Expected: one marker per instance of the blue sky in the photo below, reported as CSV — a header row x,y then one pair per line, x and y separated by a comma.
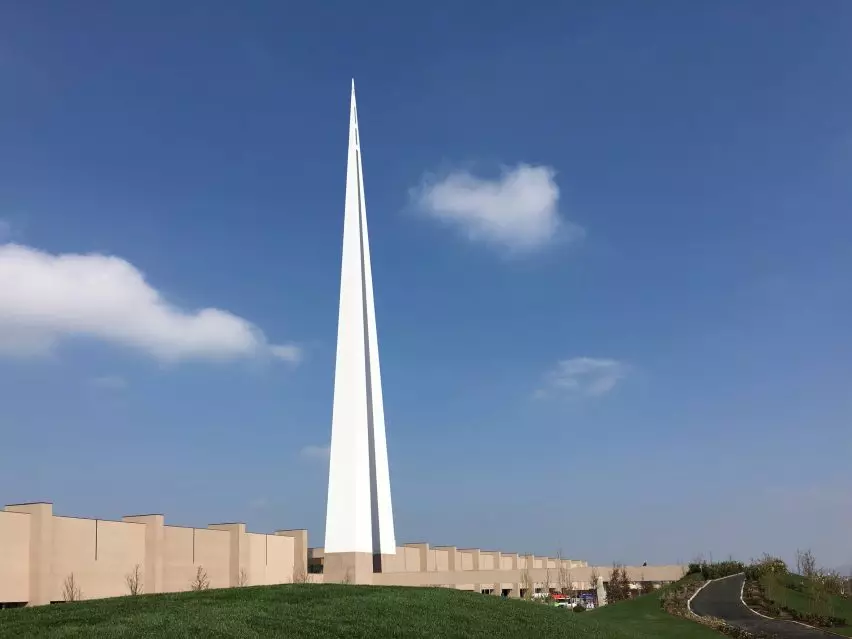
x,y
610,247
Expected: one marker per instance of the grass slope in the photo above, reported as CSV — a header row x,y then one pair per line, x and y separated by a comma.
x,y
334,611
644,617
792,591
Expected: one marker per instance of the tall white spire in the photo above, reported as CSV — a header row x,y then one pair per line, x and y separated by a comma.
x,y
359,516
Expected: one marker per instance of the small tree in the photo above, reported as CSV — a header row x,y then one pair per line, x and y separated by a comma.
x,y
645,587
618,588
133,579
526,584
546,585
613,587
200,581
625,582
71,589
300,576
593,579
242,578
805,563
563,575
832,582
569,586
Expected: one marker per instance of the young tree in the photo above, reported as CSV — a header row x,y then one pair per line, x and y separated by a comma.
x,y
618,588
200,581
133,579
563,575
546,586
805,563
300,576
526,584
71,589
624,580
593,579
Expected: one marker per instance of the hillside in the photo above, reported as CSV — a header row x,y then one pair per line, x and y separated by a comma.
x,y
332,611
796,597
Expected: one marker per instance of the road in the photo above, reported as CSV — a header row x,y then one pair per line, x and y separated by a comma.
x,y
722,599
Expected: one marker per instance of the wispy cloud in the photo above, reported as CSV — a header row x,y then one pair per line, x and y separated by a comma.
x,y
45,298
110,382
516,212
583,376
287,352
259,503
316,452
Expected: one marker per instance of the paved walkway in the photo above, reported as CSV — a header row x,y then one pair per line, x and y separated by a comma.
x,y
722,599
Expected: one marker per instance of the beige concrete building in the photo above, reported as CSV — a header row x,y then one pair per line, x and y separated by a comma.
x,y
41,551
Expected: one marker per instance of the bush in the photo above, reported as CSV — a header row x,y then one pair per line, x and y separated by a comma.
x,y
579,608
721,569
766,565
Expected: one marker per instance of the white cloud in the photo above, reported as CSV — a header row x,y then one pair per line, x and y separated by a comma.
x,y
517,212
45,298
111,382
583,376
287,352
316,452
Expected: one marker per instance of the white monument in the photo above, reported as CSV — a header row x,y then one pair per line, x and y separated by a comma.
x,y
359,516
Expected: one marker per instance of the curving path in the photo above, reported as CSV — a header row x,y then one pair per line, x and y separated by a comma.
x,y
723,599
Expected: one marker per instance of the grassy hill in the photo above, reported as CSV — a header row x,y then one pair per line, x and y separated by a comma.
x,y
334,611
798,594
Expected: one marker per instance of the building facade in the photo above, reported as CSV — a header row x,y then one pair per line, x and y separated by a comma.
x,y
42,554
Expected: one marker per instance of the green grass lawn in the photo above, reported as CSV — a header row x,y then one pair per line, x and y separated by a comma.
x,y
334,611
643,617
781,589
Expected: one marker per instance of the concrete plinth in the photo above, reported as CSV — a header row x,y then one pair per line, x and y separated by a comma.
x,y
348,567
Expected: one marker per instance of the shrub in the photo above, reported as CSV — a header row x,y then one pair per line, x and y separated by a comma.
x,y
71,589
766,565
721,569
579,608
133,580
201,581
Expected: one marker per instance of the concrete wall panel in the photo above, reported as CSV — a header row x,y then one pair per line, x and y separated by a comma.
x,y
281,563
14,557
